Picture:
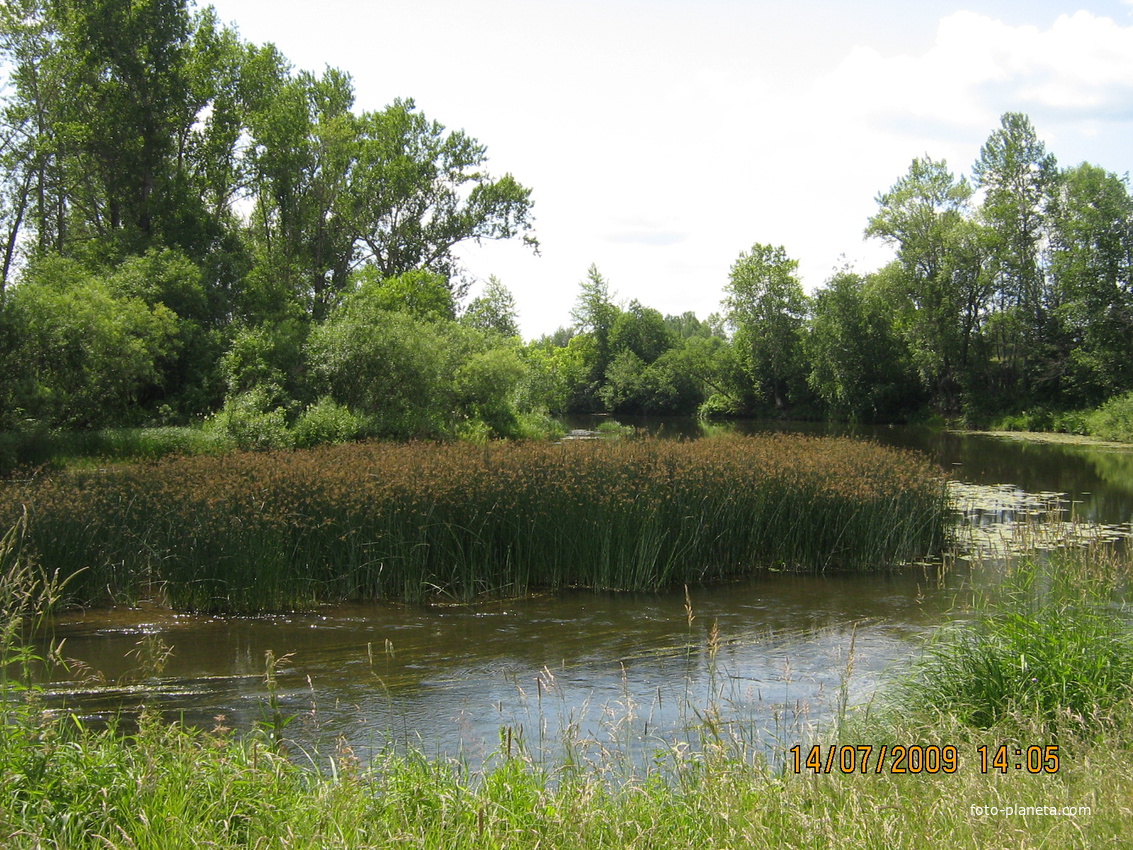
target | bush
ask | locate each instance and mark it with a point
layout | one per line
(326, 421)
(254, 420)
(1113, 420)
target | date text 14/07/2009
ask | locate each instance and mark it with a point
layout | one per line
(915, 758)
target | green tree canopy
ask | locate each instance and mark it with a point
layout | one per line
(767, 308)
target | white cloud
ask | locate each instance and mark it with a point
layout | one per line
(979, 67)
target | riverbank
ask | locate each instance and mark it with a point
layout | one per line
(911, 769)
(168, 787)
(1054, 437)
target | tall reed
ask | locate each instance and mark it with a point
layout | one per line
(408, 521)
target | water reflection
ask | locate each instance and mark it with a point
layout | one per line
(448, 679)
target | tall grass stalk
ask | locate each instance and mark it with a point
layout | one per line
(1051, 644)
(371, 521)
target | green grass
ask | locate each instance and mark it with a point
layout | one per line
(1113, 420)
(58, 449)
(165, 785)
(1050, 643)
(171, 787)
(275, 530)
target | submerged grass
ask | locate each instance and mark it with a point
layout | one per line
(275, 530)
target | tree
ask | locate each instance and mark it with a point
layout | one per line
(1018, 176)
(594, 315)
(1091, 270)
(418, 191)
(926, 216)
(767, 307)
(124, 126)
(494, 310)
(641, 330)
(304, 146)
(859, 364)
(389, 190)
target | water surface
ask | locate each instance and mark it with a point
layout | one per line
(772, 656)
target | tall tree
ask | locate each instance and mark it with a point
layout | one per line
(1091, 270)
(126, 117)
(594, 314)
(1017, 176)
(420, 190)
(303, 150)
(767, 307)
(927, 217)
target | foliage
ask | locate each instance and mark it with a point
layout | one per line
(422, 294)
(187, 221)
(494, 310)
(1017, 176)
(386, 365)
(557, 376)
(254, 419)
(859, 366)
(80, 353)
(268, 356)
(326, 421)
(487, 386)
(1113, 420)
(767, 307)
(938, 284)
(36, 446)
(1090, 266)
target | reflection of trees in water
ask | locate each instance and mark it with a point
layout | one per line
(1114, 467)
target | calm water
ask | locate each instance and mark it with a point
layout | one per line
(623, 671)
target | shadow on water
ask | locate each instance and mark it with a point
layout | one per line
(620, 671)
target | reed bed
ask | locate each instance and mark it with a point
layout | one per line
(278, 530)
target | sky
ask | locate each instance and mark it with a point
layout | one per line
(662, 138)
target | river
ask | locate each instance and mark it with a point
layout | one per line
(768, 659)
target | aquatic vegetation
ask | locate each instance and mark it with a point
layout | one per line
(161, 785)
(1003, 521)
(272, 530)
(1051, 644)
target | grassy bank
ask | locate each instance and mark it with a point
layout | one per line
(1112, 421)
(274, 530)
(42, 447)
(167, 786)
